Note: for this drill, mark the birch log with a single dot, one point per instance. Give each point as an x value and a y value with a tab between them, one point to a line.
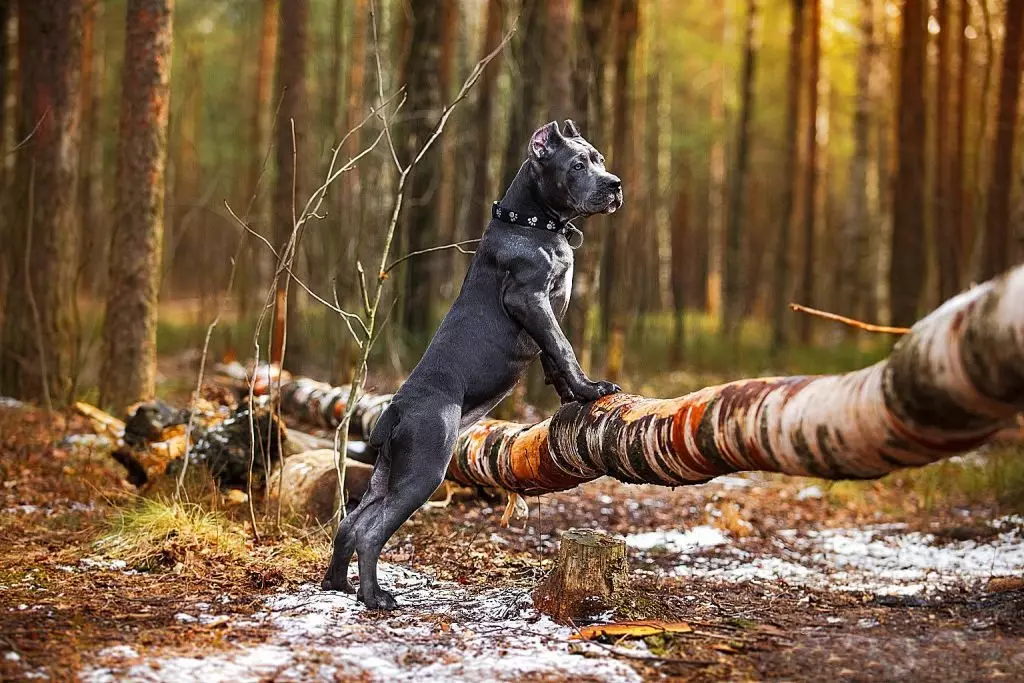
951	383
307	400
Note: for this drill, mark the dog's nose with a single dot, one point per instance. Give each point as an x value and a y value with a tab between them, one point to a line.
614	182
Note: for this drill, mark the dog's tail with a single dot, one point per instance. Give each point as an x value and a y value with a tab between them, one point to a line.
380	438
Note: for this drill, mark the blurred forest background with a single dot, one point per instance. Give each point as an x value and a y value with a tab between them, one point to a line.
856	156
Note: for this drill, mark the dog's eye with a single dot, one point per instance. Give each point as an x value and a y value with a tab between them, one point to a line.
578	166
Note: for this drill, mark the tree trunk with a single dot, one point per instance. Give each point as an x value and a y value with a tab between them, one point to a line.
716	172
527	54
811	170
446	200
734	285
422	109
5	87
680	275
907	265
589	572
854	254
997	226
945	229
957	217
787	217
263	107
92	229
615	263
332	102
129	328
950	384
350	185
558	31
38	338
480	197
595	18
291	85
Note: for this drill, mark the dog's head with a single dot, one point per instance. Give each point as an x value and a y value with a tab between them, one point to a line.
569	172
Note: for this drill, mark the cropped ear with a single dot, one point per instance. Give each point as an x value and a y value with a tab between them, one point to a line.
571	131
544	141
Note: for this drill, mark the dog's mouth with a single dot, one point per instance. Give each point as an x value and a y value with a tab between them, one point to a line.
614	202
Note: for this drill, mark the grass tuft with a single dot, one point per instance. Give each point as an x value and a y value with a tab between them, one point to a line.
159	532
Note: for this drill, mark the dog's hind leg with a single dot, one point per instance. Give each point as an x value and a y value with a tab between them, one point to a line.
420	448
336	577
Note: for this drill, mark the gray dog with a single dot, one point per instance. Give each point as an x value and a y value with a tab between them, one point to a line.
508	312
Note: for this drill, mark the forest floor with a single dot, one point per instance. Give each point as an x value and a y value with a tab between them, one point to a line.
775	579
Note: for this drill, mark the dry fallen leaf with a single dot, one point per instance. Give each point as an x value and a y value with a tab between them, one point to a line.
631	629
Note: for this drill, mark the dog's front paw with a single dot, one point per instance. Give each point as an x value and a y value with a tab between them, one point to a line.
586	390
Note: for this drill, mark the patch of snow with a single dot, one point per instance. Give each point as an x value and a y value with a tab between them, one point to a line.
810	493
22	509
8	402
880	559
102	564
731	481
118	652
443	632
183	618
12	656
677	541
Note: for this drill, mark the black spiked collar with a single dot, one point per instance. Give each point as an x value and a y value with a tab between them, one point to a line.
562	227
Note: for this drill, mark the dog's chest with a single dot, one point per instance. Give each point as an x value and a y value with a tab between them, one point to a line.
561	290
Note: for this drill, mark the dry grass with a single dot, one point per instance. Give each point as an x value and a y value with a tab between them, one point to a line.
156	531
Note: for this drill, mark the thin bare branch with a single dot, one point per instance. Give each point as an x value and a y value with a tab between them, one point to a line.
455	245
31	134
867	327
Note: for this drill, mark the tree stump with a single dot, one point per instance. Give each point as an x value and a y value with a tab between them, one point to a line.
590	570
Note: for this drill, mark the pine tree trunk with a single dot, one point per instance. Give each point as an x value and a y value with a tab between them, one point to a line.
787	216
945	229
422	109
854	255
479	197
997	225
92	229
38	340
681	260
558	31
907	265
957	217
527	53
129	328
594	26
615	262
811	170
5	86
332	102
291	86
734	285
446	200
716	172
350	192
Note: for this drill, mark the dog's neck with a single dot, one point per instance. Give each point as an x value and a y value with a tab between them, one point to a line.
524	196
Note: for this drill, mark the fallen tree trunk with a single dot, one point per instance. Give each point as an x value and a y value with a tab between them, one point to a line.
307	400
949	385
